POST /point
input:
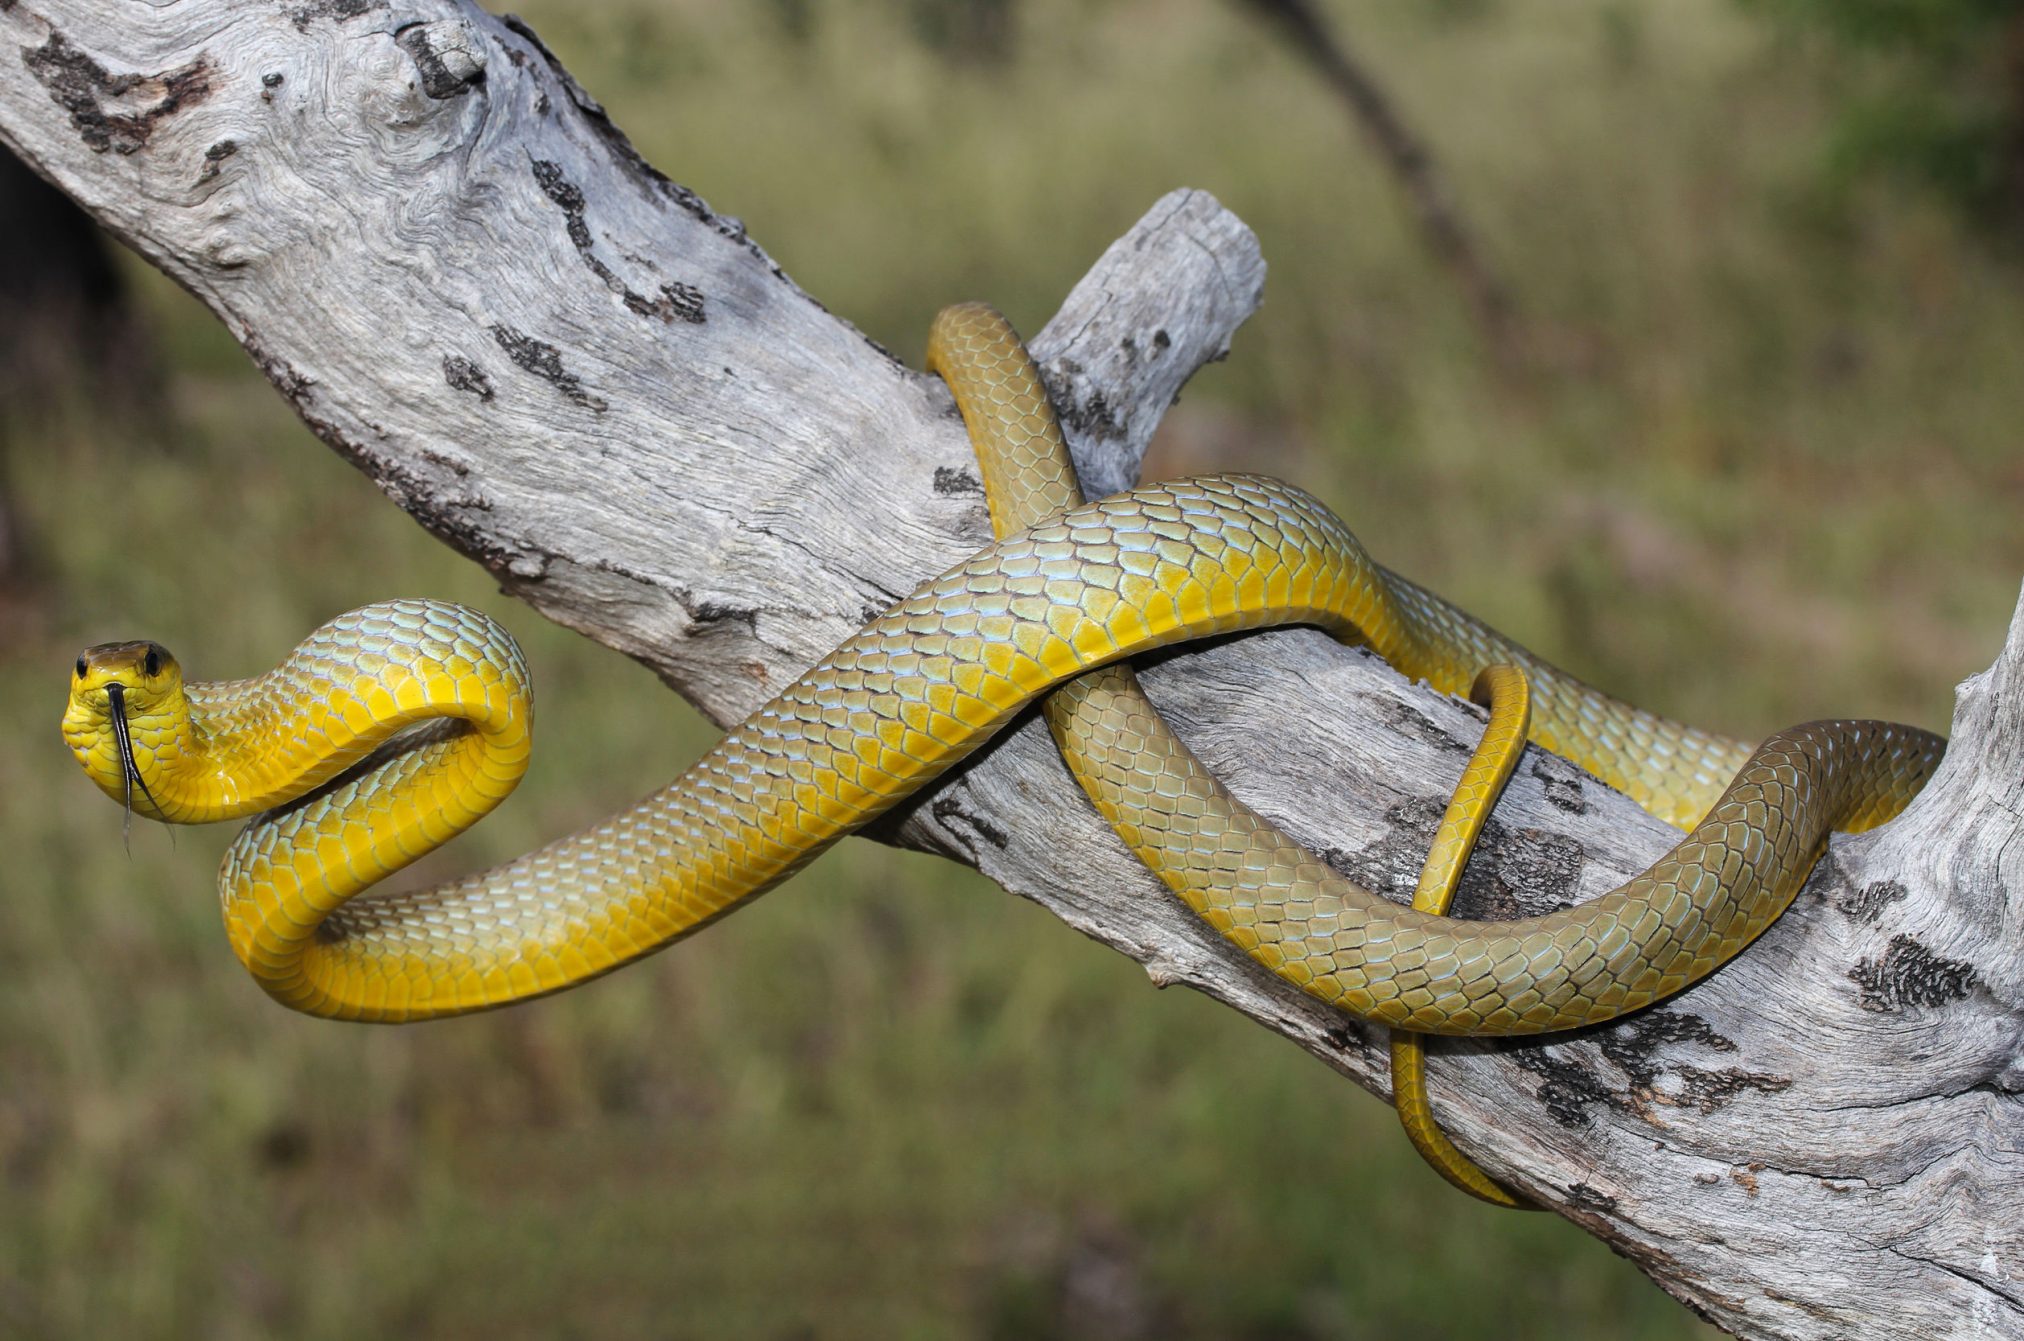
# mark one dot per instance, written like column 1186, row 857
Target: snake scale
column 1767, row 812
column 1029, row 478
column 397, row 725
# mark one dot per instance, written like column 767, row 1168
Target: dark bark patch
column 1390, row 867
column 1587, row 1198
column 1345, row 1040
column 464, row 375
column 1407, row 720
column 951, row 482
column 1635, row 1044
column 1534, row 871
column 215, row 155
column 82, row 87
column 952, row 813
column 1867, row 904
column 452, row 464
column 1562, row 781
column 1567, row 1090
column 558, row 188
column 439, row 81
column 1082, row 416
column 1707, row 1091
column 1513, row 871
column 719, row 612
column 545, row 361
column 676, row 301
column 338, row 11
column 1092, row 416
column 1910, row 974
column 627, row 157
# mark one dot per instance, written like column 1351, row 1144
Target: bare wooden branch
column 459, row 272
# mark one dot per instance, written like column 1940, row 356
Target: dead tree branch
column 443, row 254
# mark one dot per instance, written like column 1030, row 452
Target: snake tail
column 1501, row 689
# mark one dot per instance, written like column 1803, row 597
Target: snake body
column 348, row 755
column 1262, row 891
column 1029, row 478
column 1503, row 690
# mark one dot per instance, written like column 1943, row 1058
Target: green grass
column 1763, row 467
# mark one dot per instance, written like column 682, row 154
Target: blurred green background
column 1757, row 460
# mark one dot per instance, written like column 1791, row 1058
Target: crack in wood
column 439, row 81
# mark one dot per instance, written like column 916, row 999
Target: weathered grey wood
column 461, row 275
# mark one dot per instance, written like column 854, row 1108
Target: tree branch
column 445, row 256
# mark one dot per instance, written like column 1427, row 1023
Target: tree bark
column 440, row 250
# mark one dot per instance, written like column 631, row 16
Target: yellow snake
column 1767, row 812
column 1030, row 478
column 1503, row 690
column 396, row 725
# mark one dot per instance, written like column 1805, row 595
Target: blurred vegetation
column 1930, row 92
column 1758, row 470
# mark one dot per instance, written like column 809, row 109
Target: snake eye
column 151, row 664
column 81, row 668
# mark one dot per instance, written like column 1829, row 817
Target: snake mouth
column 129, row 767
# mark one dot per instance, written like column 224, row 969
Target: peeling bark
column 576, row 372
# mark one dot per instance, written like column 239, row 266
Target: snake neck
column 168, row 747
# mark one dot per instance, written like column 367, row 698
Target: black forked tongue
column 129, row 768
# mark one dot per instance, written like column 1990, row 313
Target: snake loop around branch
column 1763, row 814
column 350, row 755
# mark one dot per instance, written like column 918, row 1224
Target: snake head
column 126, row 717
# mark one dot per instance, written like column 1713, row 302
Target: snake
column 1504, row 691
column 397, row 725
column 1760, row 816
column 1029, row 477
